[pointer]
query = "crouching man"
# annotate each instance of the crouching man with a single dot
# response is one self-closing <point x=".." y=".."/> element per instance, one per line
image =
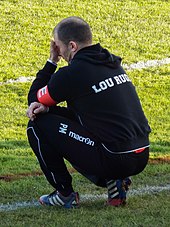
<point x="102" y="132"/>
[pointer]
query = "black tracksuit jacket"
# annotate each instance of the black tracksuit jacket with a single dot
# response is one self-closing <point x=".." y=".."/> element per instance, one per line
<point x="99" y="92"/>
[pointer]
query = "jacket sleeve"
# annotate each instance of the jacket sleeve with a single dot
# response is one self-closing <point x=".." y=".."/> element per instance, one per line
<point x="42" y="78"/>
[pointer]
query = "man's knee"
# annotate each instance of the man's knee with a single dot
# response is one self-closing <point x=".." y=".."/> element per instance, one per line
<point x="38" y="120"/>
<point x="30" y="124"/>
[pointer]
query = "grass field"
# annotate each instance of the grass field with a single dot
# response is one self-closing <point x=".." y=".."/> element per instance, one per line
<point x="136" y="31"/>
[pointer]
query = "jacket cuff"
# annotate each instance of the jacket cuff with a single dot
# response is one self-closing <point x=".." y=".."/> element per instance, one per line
<point x="49" y="68"/>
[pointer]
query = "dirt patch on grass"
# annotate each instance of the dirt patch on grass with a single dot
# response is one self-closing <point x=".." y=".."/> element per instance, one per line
<point x="160" y="160"/>
<point x="12" y="177"/>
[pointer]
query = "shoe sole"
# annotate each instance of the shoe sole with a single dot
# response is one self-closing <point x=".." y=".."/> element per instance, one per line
<point x="116" y="202"/>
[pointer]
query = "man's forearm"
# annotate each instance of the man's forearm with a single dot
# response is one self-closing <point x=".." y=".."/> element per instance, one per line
<point x="42" y="79"/>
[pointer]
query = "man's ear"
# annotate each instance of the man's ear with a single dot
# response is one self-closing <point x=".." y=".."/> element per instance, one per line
<point x="74" y="46"/>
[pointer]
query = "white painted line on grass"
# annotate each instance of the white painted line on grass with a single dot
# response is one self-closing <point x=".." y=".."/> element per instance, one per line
<point x="140" y="191"/>
<point x="17" y="205"/>
<point x="88" y="197"/>
<point x="21" y="79"/>
<point x="147" y="64"/>
<point x="138" y="65"/>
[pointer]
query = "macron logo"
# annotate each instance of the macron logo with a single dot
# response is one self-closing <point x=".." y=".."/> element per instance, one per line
<point x="81" y="138"/>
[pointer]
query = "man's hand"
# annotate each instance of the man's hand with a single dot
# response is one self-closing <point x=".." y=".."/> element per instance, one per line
<point x="54" y="52"/>
<point x="36" y="108"/>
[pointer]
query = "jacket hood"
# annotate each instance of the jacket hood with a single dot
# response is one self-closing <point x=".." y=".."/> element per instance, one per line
<point x="95" y="54"/>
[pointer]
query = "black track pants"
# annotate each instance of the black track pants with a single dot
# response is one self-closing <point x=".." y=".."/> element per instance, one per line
<point x="54" y="138"/>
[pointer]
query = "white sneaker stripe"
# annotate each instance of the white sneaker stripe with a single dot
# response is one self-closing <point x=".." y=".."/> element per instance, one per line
<point x="58" y="200"/>
<point x="113" y="195"/>
<point x="113" y="190"/>
<point x="51" y="201"/>
<point x="55" y="201"/>
<point x="111" y="186"/>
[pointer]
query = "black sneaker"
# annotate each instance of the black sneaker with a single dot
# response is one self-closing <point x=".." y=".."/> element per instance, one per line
<point x="121" y="188"/>
<point x="57" y="199"/>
